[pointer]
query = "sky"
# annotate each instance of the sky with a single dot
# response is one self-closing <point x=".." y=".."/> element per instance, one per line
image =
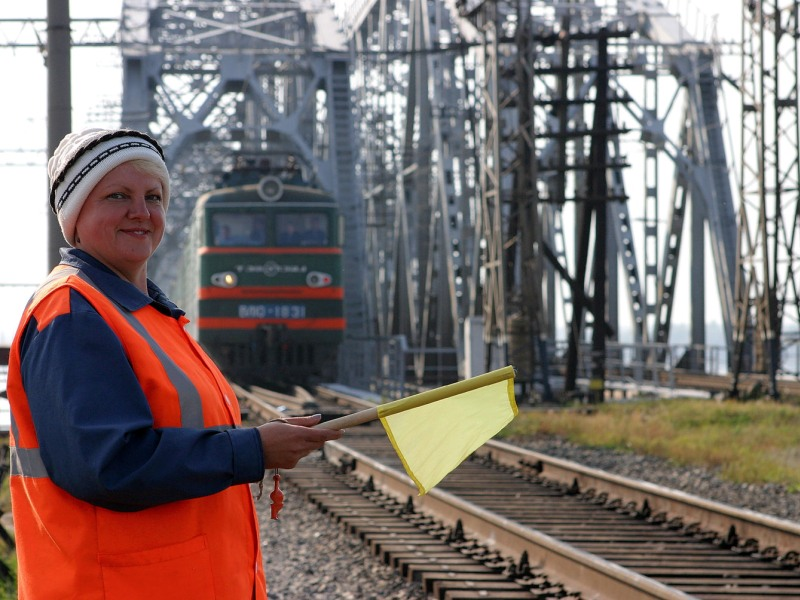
<point x="24" y="208"/>
<point x="96" y="82"/>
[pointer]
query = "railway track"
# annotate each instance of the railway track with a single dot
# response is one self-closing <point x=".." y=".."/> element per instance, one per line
<point x="749" y="383"/>
<point x="510" y="523"/>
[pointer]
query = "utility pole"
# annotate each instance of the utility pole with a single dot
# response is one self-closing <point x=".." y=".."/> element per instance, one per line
<point x="59" y="100"/>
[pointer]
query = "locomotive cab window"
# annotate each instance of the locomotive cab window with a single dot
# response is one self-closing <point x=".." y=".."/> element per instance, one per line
<point x="302" y="229"/>
<point x="238" y="229"/>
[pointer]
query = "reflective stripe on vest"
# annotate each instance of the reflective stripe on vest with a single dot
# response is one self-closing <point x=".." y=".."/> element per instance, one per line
<point x="28" y="461"/>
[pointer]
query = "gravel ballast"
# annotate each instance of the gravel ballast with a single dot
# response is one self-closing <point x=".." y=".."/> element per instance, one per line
<point x="770" y="499"/>
<point x="308" y="557"/>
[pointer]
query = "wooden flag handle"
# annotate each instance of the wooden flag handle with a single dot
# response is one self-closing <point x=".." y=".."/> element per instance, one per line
<point x="356" y="418"/>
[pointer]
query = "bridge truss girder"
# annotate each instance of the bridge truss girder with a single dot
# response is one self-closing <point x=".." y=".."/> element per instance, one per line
<point x="767" y="299"/>
<point x="502" y="123"/>
<point x="418" y="172"/>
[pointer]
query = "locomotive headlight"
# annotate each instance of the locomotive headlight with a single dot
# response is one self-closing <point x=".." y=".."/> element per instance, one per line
<point x="317" y="279"/>
<point x="270" y="188"/>
<point x="226" y="279"/>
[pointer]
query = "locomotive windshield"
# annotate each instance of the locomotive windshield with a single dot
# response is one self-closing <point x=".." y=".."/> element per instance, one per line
<point x="239" y="229"/>
<point x="302" y="229"/>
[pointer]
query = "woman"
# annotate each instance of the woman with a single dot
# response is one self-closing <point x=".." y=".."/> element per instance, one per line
<point x="130" y="468"/>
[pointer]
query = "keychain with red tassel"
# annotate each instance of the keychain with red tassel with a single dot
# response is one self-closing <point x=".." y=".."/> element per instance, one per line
<point x="276" y="496"/>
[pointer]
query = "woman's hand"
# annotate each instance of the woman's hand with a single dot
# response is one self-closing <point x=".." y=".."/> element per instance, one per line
<point x="286" y="441"/>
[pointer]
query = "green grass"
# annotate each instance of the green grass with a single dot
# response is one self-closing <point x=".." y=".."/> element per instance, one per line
<point x="745" y="442"/>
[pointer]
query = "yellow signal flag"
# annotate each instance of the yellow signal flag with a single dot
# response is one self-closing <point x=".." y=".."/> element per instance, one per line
<point x="434" y="431"/>
<point x="433" y="437"/>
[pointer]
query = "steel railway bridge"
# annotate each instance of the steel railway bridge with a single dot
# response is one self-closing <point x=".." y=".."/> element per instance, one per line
<point x="584" y="189"/>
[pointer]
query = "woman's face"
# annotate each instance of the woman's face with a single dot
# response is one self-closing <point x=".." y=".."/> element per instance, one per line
<point x="122" y="221"/>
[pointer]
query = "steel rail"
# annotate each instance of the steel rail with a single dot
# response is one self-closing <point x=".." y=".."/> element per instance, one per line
<point x="726" y="520"/>
<point x="575" y="568"/>
<point x="709" y="515"/>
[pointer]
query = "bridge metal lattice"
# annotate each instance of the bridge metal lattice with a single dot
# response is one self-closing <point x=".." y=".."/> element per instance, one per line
<point x="767" y="300"/>
<point x="512" y="141"/>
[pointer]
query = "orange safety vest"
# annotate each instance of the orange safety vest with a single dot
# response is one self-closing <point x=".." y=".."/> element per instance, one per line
<point x="196" y="549"/>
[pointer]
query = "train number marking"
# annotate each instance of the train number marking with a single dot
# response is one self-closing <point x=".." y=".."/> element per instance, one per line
<point x="272" y="311"/>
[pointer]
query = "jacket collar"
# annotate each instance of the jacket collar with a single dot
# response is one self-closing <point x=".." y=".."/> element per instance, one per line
<point x="117" y="289"/>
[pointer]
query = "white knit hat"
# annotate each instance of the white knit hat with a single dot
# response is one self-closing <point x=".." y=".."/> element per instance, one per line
<point x="82" y="159"/>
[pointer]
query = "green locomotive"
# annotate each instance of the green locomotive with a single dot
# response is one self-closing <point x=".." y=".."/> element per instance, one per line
<point x="262" y="279"/>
